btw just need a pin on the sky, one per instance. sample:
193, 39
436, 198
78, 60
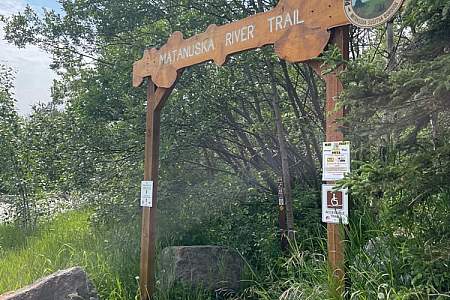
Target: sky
31, 65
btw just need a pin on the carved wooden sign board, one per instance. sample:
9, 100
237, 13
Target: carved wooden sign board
299, 29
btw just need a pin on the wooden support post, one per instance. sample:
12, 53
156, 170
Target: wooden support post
148, 234
156, 98
340, 38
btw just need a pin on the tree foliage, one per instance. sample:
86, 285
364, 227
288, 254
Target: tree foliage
221, 152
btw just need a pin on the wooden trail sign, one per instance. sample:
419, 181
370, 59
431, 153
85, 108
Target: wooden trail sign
299, 29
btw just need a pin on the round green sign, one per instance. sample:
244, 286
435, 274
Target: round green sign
371, 13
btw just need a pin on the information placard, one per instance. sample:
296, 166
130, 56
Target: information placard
334, 205
336, 160
147, 193
280, 193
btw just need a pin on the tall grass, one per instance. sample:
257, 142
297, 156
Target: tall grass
109, 257
109, 254
374, 270
300, 275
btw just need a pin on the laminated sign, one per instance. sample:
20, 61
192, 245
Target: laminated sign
336, 160
281, 193
334, 205
147, 193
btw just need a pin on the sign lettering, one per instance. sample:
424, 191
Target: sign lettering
188, 51
284, 21
241, 35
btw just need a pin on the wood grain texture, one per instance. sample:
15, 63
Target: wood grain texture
149, 214
340, 38
155, 100
335, 236
297, 28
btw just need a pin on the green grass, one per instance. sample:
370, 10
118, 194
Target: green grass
110, 257
109, 254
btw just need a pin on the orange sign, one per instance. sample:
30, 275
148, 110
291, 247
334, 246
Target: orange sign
297, 28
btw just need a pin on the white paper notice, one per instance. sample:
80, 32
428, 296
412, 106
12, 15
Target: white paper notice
147, 193
334, 205
336, 160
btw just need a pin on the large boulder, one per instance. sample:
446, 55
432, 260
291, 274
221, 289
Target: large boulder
67, 284
209, 267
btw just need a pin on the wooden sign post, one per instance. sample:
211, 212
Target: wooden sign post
340, 38
335, 241
299, 30
156, 98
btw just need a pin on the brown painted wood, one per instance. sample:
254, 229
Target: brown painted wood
335, 238
149, 214
340, 38
155, 101
162, 94
297, 28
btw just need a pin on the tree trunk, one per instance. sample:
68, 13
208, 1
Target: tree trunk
284, 160
390, 45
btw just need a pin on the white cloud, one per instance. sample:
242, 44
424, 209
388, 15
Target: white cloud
11, 6
33, 75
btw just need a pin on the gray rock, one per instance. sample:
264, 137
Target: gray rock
67, 284
209, 267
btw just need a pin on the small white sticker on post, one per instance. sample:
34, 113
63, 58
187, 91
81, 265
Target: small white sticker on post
147, 193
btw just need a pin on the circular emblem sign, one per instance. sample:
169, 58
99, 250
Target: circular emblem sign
371, 13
